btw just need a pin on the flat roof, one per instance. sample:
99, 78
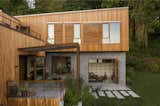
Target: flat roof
77, 11
50, 47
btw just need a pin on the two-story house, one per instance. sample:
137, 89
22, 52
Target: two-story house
90, 44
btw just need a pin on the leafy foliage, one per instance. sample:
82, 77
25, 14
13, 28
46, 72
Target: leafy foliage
87, 98
14, 7
71, 96
48, 6
74, 94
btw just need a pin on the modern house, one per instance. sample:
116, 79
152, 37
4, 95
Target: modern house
89, 44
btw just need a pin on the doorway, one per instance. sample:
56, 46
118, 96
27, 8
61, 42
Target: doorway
32, 67
60, 67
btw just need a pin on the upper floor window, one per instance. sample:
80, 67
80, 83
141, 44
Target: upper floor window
77, 33
111, 33
115, 32
51, 33
105, 33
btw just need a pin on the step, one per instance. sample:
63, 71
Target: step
109, 94
124, 93
133, 94
118, 95
101, 93
95, 95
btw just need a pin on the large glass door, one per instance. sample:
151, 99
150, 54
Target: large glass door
40, 68
32, 67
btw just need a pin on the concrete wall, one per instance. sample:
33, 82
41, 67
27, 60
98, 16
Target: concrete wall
84, 60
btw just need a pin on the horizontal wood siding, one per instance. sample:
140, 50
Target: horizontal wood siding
10, 41
33, 102
39, 23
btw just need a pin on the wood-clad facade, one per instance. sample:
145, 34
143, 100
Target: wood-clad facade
93, 56
91, 27
10, 41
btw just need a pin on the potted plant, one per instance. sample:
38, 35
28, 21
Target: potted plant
23, 90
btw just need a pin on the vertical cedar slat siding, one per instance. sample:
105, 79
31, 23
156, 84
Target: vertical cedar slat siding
92, 38
69, 33
10, 41
58, 33
92, 34
33, 102
39, 23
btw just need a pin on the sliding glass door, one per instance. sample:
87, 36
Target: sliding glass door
40, 68
32, 67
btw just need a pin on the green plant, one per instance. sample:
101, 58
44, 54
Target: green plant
71, 97
23, 87
154, 67
130, 75
75, 93
87, 98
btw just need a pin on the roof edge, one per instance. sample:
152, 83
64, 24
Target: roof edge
77, 11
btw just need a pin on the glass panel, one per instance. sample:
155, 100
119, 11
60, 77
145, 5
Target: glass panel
23, 67
77, 31
39, 67
50, 30
105, 34
92, 60
60, 67
51, 41
30, 67
105, 31
101, 71
26, 67
115, 32
51, 33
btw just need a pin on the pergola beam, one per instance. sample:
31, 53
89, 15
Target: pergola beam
50, 47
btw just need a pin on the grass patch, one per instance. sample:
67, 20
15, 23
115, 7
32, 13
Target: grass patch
104, 101
146, 84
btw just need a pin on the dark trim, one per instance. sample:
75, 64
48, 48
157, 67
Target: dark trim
50, 47
84, 51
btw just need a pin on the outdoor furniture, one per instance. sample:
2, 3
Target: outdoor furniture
95, 78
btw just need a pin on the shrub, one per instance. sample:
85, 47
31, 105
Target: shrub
71, 97
148, 64
154, 67
130, 75
87, 98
